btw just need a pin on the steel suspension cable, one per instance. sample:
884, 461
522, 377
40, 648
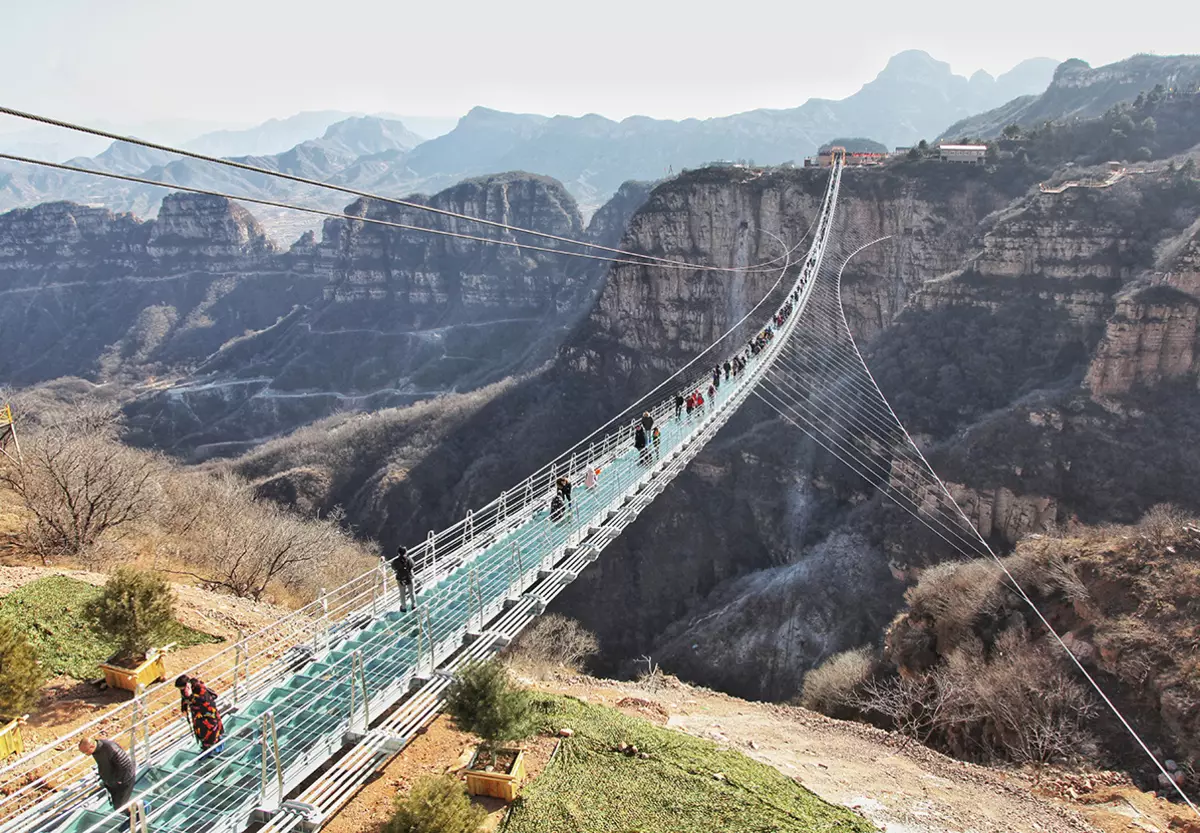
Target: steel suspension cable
230, 163
975, 545
62, 166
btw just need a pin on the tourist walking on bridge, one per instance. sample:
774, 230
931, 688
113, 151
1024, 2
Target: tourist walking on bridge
115, 767
405, 570
640, 443
647, 422
198, 703
678, 405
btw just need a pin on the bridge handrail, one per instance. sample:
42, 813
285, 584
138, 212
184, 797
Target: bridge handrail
497, 517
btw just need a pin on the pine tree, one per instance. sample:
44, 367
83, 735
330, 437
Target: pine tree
135, 609
436, 804
484, 701
20, 675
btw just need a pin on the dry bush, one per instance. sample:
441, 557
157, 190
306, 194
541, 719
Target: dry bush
77, 486
834, 686
1162, 523
555, 642
913, 705
953, 596
1033, 711
244, 546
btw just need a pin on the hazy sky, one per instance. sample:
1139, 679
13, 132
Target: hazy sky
247, 60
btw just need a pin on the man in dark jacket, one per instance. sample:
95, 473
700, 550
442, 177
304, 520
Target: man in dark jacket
405, 569
116, 768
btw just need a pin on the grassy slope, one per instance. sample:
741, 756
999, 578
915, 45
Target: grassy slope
49, 610
687, 784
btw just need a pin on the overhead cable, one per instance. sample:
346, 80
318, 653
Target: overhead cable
316, 183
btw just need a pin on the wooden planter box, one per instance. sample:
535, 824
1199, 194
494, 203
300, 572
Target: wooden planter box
11, 742
150, 671
502, 785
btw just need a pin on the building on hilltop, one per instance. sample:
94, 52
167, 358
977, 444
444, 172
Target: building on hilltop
970, 154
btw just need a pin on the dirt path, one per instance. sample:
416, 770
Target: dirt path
902, 789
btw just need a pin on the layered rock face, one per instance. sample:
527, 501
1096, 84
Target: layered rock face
744, 555
247, 341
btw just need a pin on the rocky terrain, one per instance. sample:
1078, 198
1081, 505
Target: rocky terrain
247, 340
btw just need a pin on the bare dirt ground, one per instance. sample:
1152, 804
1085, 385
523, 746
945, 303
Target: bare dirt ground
439, 749
901, 787
66, 703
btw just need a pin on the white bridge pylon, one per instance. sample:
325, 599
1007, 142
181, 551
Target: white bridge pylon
289, 713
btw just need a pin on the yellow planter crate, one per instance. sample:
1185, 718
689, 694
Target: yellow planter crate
150, 671
11, 742
502, 785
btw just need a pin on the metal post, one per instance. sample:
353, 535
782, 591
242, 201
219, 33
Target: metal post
478, 595
422, 638
431, 545
358, 678
503, 504
468, 527
239, 653
514, 584
276, 755
324, 620
133, 723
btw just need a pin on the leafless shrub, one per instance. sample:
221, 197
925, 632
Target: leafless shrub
555, 642
952, 596
1033, 710
834, 686
78, 486
913, 704
653, 678
245, 545
1162, 523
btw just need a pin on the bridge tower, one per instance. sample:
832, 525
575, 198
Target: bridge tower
9, 446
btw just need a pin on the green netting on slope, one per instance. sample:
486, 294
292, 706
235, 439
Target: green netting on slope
590, 788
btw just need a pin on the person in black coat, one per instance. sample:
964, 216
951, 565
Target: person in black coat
115, 767
405, 570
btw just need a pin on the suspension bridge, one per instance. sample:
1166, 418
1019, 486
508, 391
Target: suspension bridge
340, 686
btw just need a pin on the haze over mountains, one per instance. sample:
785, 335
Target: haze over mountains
1078, 91
914, 96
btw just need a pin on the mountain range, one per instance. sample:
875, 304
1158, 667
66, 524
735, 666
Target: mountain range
914, 96
1078, 91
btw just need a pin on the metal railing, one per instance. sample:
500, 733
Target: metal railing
517, 518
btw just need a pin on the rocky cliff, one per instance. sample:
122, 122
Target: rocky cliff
243, 340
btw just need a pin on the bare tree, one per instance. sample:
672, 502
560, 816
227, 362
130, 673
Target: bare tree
554, 641
1036, 712
244, 545
915, 705
77, 487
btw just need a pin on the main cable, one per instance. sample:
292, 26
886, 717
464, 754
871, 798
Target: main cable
231, 163
972, 546
339, 215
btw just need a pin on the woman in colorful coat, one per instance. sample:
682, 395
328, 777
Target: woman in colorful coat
199, 704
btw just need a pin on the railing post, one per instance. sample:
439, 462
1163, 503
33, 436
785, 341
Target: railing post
134, 720
422, 640
478, 595
468, 527
239, 653
503, 505
358, 677
324, 620
431, 546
